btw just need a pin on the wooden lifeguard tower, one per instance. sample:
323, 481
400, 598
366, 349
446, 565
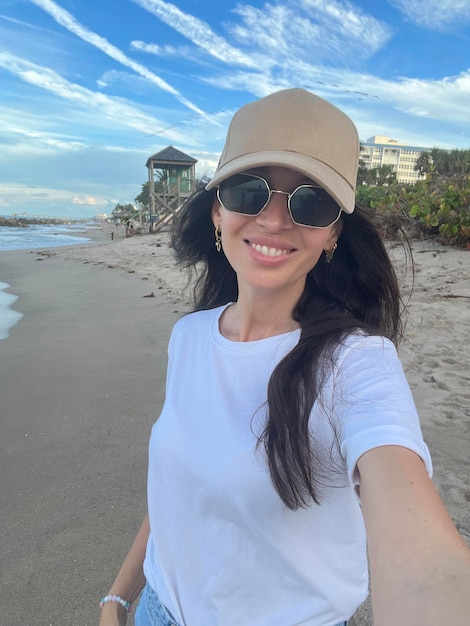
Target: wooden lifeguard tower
176, 182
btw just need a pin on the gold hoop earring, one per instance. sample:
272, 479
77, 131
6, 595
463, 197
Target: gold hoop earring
330, 253
218, 239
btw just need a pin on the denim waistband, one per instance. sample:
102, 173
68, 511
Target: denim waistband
151, 612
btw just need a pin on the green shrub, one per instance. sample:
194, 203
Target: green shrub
437, 207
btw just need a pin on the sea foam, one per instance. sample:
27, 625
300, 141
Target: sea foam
8, 317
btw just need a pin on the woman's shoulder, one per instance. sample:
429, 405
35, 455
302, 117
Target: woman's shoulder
197, 321
360, 339
360, 347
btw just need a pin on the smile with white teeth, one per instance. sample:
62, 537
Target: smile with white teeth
268, 251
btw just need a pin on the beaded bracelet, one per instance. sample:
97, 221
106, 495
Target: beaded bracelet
127, 605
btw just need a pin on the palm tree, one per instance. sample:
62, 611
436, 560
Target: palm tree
423, 163
444, 162
385, 175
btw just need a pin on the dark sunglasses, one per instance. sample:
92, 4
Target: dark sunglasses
308, 205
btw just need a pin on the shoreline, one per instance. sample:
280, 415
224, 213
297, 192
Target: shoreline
82, 378
8, 316
38, 236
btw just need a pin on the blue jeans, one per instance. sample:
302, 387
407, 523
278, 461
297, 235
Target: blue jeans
151, 612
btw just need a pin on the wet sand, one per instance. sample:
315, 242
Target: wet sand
81, 382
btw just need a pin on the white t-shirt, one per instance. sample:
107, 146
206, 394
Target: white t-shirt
223, 549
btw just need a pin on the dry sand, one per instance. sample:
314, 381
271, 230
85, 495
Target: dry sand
82, 379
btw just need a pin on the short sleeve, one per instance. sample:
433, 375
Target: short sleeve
374, 404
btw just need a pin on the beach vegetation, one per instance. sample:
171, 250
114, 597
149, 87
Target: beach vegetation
437, 207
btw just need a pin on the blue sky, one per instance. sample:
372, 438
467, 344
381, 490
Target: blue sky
89, 89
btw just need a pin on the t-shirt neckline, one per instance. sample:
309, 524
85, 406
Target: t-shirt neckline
247, 346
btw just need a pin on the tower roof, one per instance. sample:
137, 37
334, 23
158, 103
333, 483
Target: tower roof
170, 155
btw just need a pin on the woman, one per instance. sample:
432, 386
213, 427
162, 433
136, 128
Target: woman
289, 436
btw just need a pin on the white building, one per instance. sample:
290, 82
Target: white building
380, 150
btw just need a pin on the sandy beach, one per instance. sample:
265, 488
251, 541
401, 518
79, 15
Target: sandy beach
82, 380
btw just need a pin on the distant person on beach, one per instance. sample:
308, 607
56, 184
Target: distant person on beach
129, 229
289, 439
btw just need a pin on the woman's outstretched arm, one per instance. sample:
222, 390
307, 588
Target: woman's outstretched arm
420, 565
129, 582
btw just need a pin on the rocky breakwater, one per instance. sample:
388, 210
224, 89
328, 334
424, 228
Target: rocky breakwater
25, 222
12, 221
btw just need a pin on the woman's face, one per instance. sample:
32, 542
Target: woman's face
269, 252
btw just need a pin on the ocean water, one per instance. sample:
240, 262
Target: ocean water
35, 236
43, 236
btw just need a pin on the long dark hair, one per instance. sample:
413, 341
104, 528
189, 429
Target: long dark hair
358, 290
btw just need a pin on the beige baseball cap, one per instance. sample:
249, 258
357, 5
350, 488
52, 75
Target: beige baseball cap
294, 128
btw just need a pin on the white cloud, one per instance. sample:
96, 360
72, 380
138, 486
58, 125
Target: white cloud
197, 31
15, 21
39, 138
310, 29
111, 77
33, 194
276, 33
164, 51
435, 14
445, 99
90, 200
351, 23
126, 81
64, 18
112, 111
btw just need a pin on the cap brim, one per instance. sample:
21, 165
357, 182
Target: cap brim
318, 171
